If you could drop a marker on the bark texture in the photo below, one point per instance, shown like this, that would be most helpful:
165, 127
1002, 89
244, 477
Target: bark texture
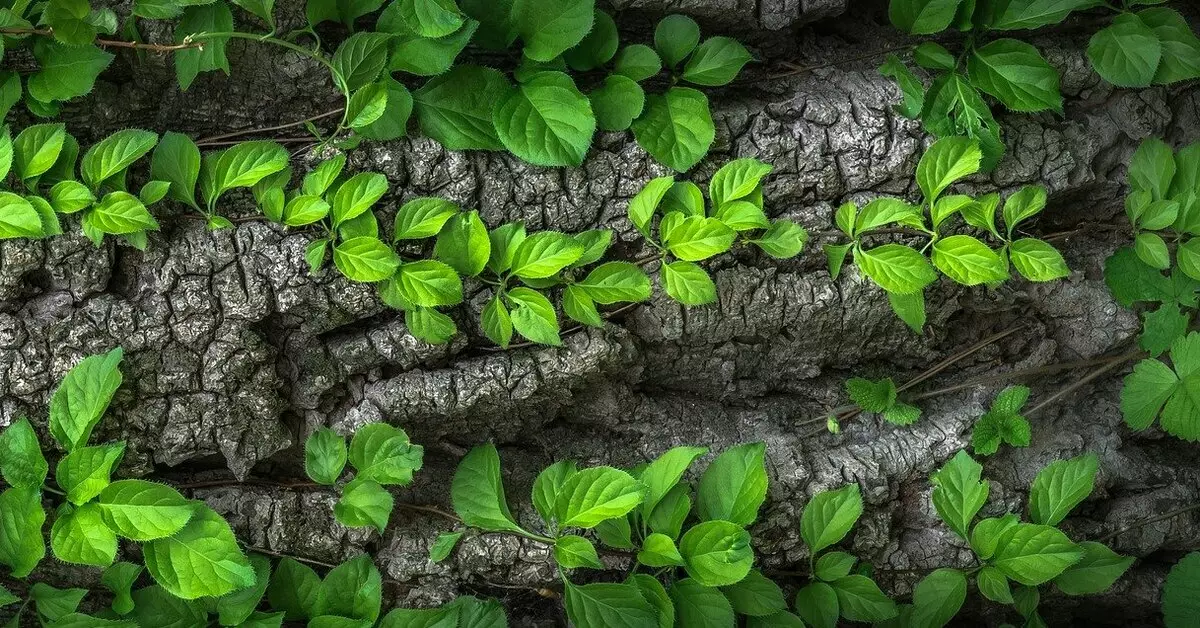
235, 353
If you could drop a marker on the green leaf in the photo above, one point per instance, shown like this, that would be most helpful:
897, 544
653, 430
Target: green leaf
69, 197
364, 502
236, 608
993, 584
294, 589
463, 243
79, 536
190, 62
497, 323
922, 17
615, 282
366, 105
578, 306
1096, 572
37, 148
896, 268
430, 325
1022, 205
604, 604
176, 160
247, 163
596, 494
1034, 554
383, 453
911, 88
1126, 53
1152, 250
595, 244
1016, 74
533, 316
756, 596
933, 56
119, 578
783, 239
646, 201
782, 619
155, 607
947, 161
884, 211
202, 559
551, 27
455, 109
637, 62
65, 72
314, 254
597, 48
21, 461
365, 259
953, 106
958, 493
69, 21
572, 552
443, 546
1060, 487
393, 121
968, 261
144, 511
360, 60
1036, 260
85, 472
700, 606
668, 517
938, 598
120, 213
834, 565
676, 128
429, 283
1180, 46
736, 180
697, 238
872, 396
716, 553
676, 37
544, 254
352, 589
422, 218
430, 18
658, 550
548, 485
734, 486
114, 154
861, 600
829, 516
263, 9
478, 494
83, 396
21, 518
1181, 593
716, 62
664, 473
1162, 327
53, 603
1030, 14
910, 308
546, 121
617, 103
688, 283
817, 603
324, 456
19, 218
304, 210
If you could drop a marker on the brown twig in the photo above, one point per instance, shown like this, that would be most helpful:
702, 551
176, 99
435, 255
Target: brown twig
1114, 363
279, 127
1152, 520
302, 559
110, 43
798, 69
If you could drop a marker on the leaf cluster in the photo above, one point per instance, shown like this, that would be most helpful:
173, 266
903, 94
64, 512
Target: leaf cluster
381, 456
904, 272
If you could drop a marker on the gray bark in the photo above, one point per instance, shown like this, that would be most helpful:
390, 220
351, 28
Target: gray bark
235, 353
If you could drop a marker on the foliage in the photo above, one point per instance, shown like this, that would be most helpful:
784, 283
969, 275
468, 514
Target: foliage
381, 456
1181, 593
1016, 556
1150, 46
1002, 423
1163, 205
880, 397
904, 272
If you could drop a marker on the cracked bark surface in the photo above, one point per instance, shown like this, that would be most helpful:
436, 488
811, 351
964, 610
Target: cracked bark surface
234, 353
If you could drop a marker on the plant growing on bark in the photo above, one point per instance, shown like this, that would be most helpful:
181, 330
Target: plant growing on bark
1002, 423
1029, 554
904, 271
1181, 593
1152, 46
1163, 206
880, 397
381, 455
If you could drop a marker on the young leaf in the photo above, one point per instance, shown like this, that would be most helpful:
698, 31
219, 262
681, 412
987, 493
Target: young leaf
83, 396
245, 164
783, 239
366, 105
676, 37
938, 598
85, 472
596, 494
383, 453
1016, 74
716, 62
546, 121
364, 502
1181, 593
603, 604
829, 516
1033, 554
922, 17
114, 154
695, 238
533, 316
119, 578
22, 546
736, 180
429, 283
497, 323
615, 282
22, 463
144, 511
352, 589
947, 161
455, 108
190, 62
547, 486
734, 486
1060, 487
422, 218
637, 62
463, 243
716, 553
553, 27
202, 559
617, 103
572, 552
598, 47
676, 128
872, 396
360, 59
79, 536
54, 604
757, 596
430, 325
294, 589
443, 546
896, 268
833, 566
578, 306
324, 456
1096, 572
66, 72
120, 213
958, 493
1126, 53
933, 56
698, 605
861, 600
817, 603
430, 18
365, 259
478, 494
688, 283
237, 607
37, 148
1037, 261
544, 254
1181, 48
911, 87
1152, 384
646, 202
968, 261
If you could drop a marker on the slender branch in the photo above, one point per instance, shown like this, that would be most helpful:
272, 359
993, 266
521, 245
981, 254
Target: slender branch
109, 43
278, 127
429, 509
1152, 520
1016, 374
797, 69
248, 482
1117, 361
302, 559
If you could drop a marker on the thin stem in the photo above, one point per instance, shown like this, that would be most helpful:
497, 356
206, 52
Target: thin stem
55, 491
278, 127
797, 69
108, 43
1000, 377
302, 559
429, 509
1152, 520
315, 56
1117, 361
